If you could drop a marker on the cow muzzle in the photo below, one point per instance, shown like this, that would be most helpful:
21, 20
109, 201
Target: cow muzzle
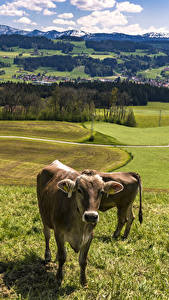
90, 217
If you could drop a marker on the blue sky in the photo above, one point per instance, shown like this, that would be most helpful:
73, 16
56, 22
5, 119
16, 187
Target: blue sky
131, 17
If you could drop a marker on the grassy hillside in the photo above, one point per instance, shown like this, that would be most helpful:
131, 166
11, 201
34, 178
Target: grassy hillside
133, 135
81, 49
133, 269
151, 164
63, 131
154, 114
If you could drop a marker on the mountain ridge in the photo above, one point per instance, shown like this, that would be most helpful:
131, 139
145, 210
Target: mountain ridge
53, 34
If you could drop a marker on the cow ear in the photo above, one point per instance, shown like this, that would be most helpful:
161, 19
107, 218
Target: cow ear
67, 186
112, 187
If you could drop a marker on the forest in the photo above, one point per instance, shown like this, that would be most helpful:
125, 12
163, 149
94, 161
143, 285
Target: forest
76, 102
93, 67
110, 45
26, 42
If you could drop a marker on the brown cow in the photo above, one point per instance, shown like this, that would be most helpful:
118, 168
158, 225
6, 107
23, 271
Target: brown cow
68, 204
123, 200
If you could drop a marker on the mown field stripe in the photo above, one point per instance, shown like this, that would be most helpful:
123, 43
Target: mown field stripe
85, 144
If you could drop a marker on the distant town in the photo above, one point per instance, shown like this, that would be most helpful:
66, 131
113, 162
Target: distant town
43, 79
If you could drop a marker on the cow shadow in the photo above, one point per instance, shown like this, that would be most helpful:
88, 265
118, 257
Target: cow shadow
30, 278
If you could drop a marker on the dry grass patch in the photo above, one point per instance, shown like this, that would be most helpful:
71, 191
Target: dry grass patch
21, 160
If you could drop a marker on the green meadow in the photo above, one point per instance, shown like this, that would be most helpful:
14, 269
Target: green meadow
134, 269
133, 135
154, 114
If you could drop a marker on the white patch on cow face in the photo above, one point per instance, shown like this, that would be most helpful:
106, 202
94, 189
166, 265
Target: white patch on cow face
62, 166
90, 217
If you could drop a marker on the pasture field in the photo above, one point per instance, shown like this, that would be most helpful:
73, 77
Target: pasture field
134, 269
152, 164
21, 160
64, 131
133, 135
75, 73
154, 114
121, 270
151, 73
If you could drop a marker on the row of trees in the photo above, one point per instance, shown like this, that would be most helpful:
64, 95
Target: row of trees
114, 45
63, 103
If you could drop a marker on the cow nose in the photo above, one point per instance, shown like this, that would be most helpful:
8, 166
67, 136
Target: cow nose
91, 217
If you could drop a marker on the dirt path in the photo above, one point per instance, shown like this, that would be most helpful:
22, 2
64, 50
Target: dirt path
74, 143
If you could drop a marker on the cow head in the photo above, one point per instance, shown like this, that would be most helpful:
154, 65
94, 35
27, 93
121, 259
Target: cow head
88, 189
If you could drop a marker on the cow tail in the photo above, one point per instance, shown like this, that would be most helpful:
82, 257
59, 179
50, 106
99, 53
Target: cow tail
140, 214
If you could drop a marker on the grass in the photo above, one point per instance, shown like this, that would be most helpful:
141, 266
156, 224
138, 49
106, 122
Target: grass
79, 49
20, 161
133, 269
154, 114
152, 73
132, 135
64, 131
151, 164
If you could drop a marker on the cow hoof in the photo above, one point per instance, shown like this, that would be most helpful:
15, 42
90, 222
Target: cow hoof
83, 281
115, 237
47, 257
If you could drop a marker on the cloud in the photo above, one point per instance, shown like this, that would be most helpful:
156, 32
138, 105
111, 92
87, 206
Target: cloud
47, 12
25, 20
10, 10
63, 22
13, 8
129, 7
158, 30
60, 29
93, 4
66, 16
35, 5
102, 21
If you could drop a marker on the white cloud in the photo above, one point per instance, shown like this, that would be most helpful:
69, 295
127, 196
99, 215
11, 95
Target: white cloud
60, 29
13, 8
25, 20
158, 30
129, 7
102, 21
64, 22
35, 5
93, 4
66, 16
10, 10
48, 12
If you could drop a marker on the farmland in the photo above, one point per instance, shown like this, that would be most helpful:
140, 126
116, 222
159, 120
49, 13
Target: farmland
154, 114
133, 269
126, 61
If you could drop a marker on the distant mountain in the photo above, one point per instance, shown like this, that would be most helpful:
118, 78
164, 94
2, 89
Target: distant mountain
53, 34
10, 30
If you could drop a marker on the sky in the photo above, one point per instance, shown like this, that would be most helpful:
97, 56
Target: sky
104, 16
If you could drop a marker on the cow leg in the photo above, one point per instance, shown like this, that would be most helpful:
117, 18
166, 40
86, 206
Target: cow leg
130, 218
121, 213
61, 256
83, 261
46, 232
